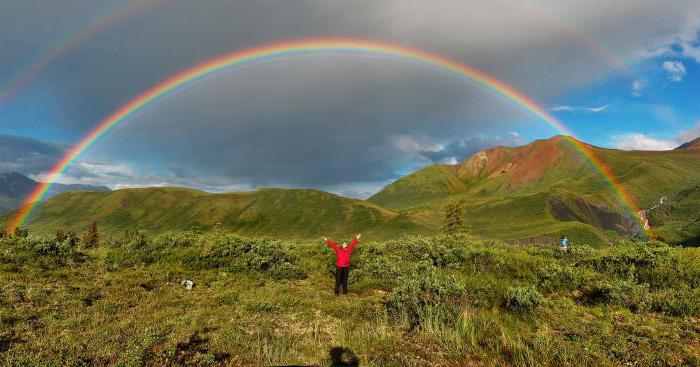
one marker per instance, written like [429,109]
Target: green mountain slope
[537,191]
[297,213]
[676,217]
[547,188]
[429,183]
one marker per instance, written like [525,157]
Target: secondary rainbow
[44,59]
[225,62]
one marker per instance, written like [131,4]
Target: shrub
[426,300]
[131,249]
[522,298]
[625,260]
[618,292]
[381,271]
[91,237]
[677,302]
[554,277]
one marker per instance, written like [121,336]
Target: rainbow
[597,47]
[213,67]
[33,69]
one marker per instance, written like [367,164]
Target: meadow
[446,300]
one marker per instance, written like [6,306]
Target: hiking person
[564,242]
[342,262]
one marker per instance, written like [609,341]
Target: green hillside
[429,183]
[545,188]
[297,213]
[535,192]
[677,218]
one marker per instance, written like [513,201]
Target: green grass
[414,301]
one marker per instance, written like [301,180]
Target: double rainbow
[35,67]
[223,63]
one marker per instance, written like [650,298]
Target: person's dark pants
[341,278]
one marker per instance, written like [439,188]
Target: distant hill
[278,212]
[15,187]
[533,192]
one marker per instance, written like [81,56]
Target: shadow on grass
[338,357]
[343,357]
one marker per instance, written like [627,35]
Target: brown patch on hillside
[521,165]
[597,215]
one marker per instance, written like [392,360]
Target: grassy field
[414,301]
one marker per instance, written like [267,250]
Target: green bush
[677,302]
[522,298]
[618,292]
[555,277]
[380,271]
[46,252]
[425,300]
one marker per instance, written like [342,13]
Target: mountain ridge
[539,190]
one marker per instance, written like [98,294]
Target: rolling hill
[297,213]
[537,191]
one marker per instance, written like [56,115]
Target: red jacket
[342,256]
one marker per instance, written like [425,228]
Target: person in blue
[564,242]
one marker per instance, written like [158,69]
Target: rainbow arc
[213,67]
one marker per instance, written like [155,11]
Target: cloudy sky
[622,74]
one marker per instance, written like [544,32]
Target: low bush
[677,302]
[617,292]
[426,300]
[45,252]
[555,277]
[522,298]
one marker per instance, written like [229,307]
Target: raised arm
[354,242]
[330,243]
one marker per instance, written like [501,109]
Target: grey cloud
[27,156]
[315,121]
[461,149]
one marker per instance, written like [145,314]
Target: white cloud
[640,141]
[683,43]
[411,144]
[637,87]
[676,70]
[568,108]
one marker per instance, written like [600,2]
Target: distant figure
[342,262]
[564,242]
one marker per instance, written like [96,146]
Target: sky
[618,74]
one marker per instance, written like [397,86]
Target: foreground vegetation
[446,300]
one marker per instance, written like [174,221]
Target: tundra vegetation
[447,300]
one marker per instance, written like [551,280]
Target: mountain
[693,144]
[545,188]
[15,187]
[537,191]
[295,212]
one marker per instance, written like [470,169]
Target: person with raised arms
[342,262]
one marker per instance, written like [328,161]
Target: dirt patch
[597,215]
[539,240]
